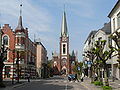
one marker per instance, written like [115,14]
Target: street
[55,83]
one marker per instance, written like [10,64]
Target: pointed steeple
[20,26]
[64,31]
[73,53]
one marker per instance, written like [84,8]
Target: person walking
[82,76]
[28,77]
[76,78]
[96,76]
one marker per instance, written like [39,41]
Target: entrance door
[7,71]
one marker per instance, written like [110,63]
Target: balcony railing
[20,47]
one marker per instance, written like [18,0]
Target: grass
[107,88]
[98,83]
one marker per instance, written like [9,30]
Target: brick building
[20,50]
[8,39]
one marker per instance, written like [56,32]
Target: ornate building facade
[21,50]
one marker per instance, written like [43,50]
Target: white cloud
[36,19]
[46,24]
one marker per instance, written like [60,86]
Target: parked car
[71,77]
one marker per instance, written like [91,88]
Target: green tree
[76,66]
[91,55]
[50,69]
[102,56]
[116,38]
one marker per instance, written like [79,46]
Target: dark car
[71,77]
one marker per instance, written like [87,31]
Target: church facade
[62,62]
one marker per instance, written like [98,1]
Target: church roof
[20,26]
[64,31]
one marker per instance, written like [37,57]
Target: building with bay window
[114,16]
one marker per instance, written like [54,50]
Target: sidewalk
[87,83]
[10,86]
[115,85]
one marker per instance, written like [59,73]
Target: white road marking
[65,81]
[66,87]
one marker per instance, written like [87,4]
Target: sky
[43,19]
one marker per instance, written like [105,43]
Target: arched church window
[5,40]
[64,49]
[64,61]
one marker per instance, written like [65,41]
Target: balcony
[20,47]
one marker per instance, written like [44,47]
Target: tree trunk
[98,73]
[106,82]
[92,73]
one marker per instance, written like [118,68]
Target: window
[114,24]
[5,40]
[110,41]
[99,38]
[7,71]
[64,48]
[64,61]
[18,40]
[118,20]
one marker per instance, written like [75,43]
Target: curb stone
[14,86]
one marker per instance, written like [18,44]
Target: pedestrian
[28,77]
[76,78]
[82,76]
[96,77]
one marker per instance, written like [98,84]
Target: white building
[89,41]
[103,34]
[114,16]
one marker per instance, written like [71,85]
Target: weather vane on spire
[20,9]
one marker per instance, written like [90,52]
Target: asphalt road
[55,83]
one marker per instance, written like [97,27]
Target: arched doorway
[64,70]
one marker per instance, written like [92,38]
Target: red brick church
[63,62]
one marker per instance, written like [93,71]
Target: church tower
[64,47]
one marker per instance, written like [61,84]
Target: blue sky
[43,18]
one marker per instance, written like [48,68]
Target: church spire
[64,31]
[20,26]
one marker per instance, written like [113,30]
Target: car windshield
[71,75]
